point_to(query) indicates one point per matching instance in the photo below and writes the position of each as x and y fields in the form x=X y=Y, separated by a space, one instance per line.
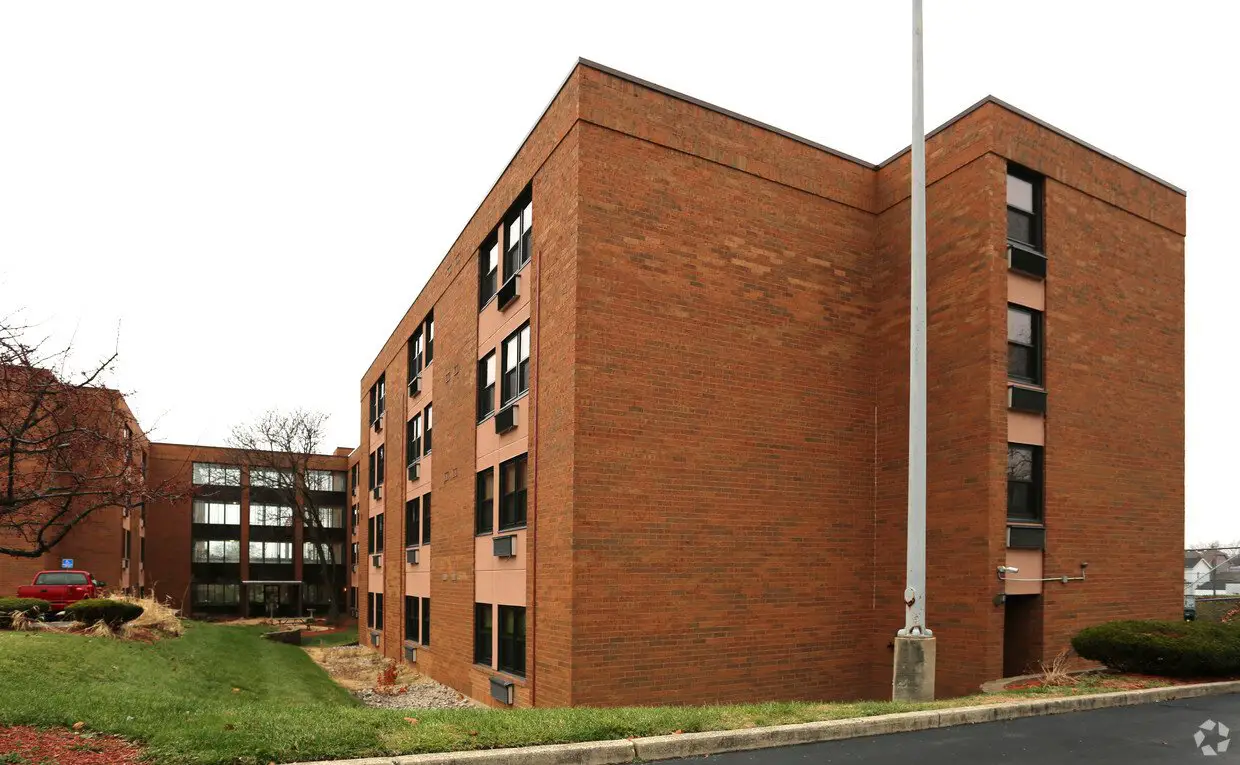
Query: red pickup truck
x=60 y=588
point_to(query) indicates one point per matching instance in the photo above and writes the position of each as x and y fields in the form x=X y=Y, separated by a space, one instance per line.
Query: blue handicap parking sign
x=66 y=562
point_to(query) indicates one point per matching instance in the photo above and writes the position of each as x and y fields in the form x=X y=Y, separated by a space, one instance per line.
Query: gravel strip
x=426 y=694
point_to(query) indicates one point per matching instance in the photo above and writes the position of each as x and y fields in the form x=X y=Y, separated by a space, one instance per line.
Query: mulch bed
x=57 y=746
x=1114 y=682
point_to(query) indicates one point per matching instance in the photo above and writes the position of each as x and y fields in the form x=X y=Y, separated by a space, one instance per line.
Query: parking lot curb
x=619 y=752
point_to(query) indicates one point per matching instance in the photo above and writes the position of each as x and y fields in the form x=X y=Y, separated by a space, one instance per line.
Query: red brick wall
x=1115 y=428
x=725 y=433
x=966 y=424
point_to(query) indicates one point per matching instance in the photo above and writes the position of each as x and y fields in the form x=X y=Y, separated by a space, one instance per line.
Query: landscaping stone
x=292 y=637
x=425 y=694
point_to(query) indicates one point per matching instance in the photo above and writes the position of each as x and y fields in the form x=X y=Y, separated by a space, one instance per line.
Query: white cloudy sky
x=229 y=183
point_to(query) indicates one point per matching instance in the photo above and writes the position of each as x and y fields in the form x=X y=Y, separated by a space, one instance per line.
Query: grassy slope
x=177 y=697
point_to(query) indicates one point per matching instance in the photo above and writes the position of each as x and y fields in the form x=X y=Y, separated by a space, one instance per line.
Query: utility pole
x=913 y=673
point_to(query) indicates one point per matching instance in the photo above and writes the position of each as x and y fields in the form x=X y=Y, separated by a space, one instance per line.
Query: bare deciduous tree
x=283 y=446
x=67 y=446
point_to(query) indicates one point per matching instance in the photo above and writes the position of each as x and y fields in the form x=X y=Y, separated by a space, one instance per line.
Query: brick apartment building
x=658 y=387
x=234 y=544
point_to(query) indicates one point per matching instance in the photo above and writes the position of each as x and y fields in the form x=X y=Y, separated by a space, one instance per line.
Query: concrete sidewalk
x=623 y=751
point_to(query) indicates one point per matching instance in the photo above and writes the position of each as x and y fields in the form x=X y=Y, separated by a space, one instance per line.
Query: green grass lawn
x=177 y=697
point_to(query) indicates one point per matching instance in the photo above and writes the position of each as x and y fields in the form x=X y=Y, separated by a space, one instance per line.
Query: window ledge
x=1026 y=524
x=1039 y=387
x=514 y=400
x=522 y=527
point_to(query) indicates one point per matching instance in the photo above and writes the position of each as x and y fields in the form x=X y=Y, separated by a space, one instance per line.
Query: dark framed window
x=370 y=610
x=512 y=493
x=426 y=438
x=370 y=536
x=379 y=533
x=352 y=597
x=376 y=465
x=411 y=618
x=1024 y=331
x=413 y=516
x=1025 y=481
x=353 y=520
x=486 y=386
x=378 y=610
x=482 y=634
x=512 y=640
x=413 y=439
x=1024 y=207
x=426 y=518
x=378 y=398
x=518 y=225
x=484 y=502
x=354 y=476
x=516 y=379
x=428 y=330
x=488 y=270
x=370 y=470
x=426 y=621
x=415 y=353
x=354 y=550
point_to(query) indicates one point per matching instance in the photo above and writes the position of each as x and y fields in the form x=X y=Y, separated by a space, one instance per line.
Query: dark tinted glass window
x=1024 y=478
x=512 y=639
x=1024 y=207
x=484 y=502
x=1024 y=344
x=482 y=633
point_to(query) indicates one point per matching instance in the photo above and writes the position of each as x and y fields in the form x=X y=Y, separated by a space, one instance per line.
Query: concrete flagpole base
x=913 y=676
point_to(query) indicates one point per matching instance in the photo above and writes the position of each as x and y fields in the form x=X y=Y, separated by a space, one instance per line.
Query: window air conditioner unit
x=124 y=512
x=124 y=563
x=411 y=556
x=353 y=612
x=415 y=386
x=509 y=292
x=506 y=419
x=378 y=424
x=415 y=470
x=1026 y=260
x=355 y=568
x=502 y=690
x=504 y=547
x=374 y=638
x=375 y=493
x=376 y=560
x=1026 y=400
x=411 y=653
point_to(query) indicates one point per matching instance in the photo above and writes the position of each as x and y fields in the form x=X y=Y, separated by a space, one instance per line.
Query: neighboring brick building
x=665 y=370
x=99 y=448
x=230 y=544
x=234 y=544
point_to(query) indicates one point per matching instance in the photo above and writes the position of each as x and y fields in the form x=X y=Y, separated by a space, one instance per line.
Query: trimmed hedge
x=30 y=606
x=114 y=612
x=1170 y=649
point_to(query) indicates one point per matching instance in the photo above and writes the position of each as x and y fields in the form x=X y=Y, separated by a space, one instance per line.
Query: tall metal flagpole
x=913 y=676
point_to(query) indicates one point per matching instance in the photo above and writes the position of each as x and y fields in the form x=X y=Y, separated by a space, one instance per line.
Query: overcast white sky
x=229 y=182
